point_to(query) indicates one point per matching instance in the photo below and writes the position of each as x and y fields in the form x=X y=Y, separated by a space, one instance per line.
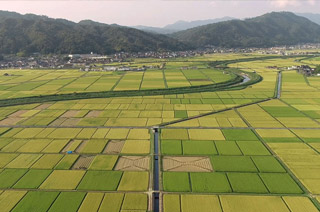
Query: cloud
x=312 y=2
x=285 y=3
x=213 y=3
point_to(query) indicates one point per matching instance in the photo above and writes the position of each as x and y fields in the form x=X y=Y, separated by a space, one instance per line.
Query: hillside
x=180 y=25
x=32 y=33
x=276 y=28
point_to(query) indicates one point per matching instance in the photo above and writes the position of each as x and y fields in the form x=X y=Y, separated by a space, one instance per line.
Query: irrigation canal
x=156 y=170
x=279 y=85
x=156 y=157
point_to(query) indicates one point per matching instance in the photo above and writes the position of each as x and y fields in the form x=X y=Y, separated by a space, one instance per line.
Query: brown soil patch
x=80 y=147
x=187 y=164
x=83 y=162
x=43 y=106
x=11 y=120
x=18 y=113
x=70 y=113
x=58 y=122
x=133 y=163
x=70 y=122
x=93 y=114
x=114 y=147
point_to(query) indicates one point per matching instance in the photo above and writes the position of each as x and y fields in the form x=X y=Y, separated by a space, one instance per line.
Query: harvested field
x=42 y=106
x=93 y=114
x=187 y=164
x=133 y=163
x=11 y=120
x=83 y=162
x=18 y=113
x=114 y=146
x=58 y=122
x=69 y=122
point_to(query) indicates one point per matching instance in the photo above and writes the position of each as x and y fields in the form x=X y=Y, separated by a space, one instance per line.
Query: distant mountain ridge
x=157 y=30
x=32 y=33
x=181 y=25
x=271 y=29
x=311 y=16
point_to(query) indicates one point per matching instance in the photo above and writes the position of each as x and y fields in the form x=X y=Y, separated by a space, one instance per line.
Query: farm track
x=277 y=96
x=160 y=126
x=156 y=192
x=279 y=84
x=278 y=90
x=305 y=190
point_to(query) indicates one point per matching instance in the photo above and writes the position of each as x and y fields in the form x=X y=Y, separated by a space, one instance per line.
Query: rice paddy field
x=231 y=150
x=21 y=83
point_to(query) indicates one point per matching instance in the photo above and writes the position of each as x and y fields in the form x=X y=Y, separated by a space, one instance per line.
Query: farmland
x=237 y=147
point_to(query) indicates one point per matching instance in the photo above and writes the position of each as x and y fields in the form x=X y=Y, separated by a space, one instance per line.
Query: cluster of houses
x=157 y=55
x=307 y=49
x=305 y=70
x=86 y=61
x=122 y=68
x=33 y=62
x=189 y=67
x=114 y=68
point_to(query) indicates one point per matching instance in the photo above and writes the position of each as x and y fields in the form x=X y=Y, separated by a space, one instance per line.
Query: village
x=306 y=70
x=302 y=69
x=86 y=62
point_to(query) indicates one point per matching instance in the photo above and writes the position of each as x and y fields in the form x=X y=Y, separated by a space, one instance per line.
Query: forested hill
x=32 y=33
x=272 y=29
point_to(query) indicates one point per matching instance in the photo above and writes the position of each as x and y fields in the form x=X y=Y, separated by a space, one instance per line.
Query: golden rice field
x=232 y=150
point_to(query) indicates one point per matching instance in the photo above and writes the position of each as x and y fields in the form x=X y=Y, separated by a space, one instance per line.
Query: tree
x=22 y=54
x=67 y=58
x=1 y=57
x=317 y=71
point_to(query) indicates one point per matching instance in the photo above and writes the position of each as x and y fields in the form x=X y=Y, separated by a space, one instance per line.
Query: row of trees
x=47 y=35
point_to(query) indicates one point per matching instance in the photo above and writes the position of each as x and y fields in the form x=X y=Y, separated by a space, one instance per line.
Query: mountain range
x=271 y=29
x=181 y=25
x=32 y=33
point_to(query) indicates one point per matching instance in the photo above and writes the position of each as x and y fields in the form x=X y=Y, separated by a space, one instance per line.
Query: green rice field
x=241 y=148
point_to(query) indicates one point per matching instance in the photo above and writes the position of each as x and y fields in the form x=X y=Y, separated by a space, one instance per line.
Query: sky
x=155 y=12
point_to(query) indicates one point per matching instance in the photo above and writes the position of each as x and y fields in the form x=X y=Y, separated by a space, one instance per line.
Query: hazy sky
x=155 y=12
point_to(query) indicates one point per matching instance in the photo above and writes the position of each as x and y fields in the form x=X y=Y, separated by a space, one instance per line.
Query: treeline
x=272 y=29
x=31 y=33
